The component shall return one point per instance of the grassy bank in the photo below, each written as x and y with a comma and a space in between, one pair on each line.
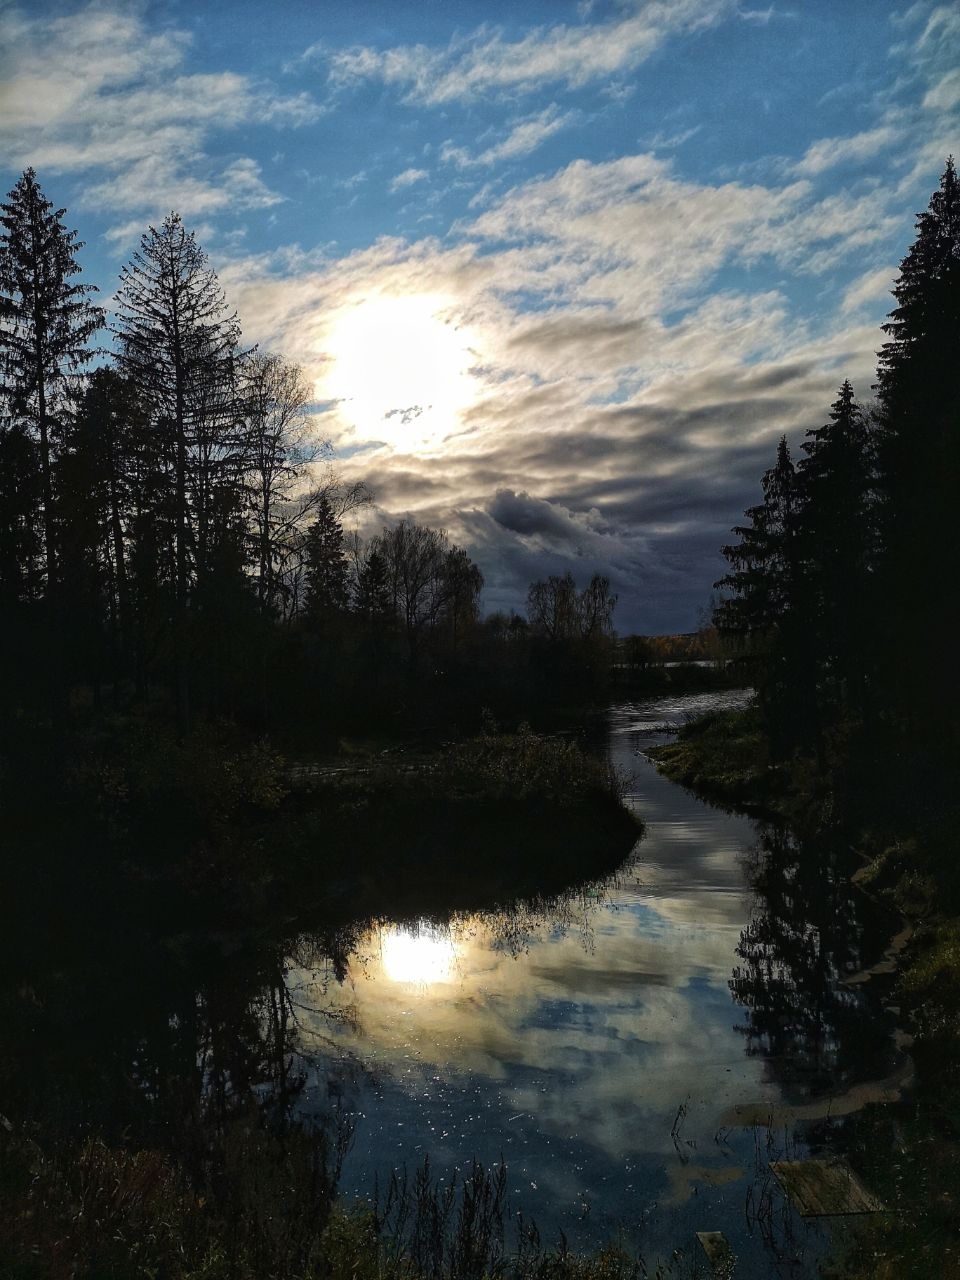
265, 1206
229, 825
723, 756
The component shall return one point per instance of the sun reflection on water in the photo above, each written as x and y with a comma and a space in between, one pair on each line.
423, 955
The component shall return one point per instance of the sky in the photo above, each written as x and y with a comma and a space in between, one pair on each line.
560, 272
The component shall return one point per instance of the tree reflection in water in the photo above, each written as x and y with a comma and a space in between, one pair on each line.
810, 931
143, 1039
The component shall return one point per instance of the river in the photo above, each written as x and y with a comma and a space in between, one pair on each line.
636, 1051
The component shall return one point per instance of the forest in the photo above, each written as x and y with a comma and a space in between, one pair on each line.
840, 606
172, 527
841, 600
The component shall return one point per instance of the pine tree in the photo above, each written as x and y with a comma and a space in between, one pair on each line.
372, 596
918, 601
20, 526
180, 347
763, 564
767, 616
837, 548
46, 323
327, 571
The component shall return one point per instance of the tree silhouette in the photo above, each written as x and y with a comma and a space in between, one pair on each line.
372, 593
767, 617
426, 578
280, 454
918, 605
46, 323
20, 524
180, 346
327, 571
837, 547
553, 607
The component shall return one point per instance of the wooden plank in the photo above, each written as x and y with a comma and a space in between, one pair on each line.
824, 1188
717, 1248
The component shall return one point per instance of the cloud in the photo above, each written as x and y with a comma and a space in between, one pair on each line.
827, 153
869, 288
408, 178
96, 90
524, 137
945, 94
762, 17
623, 407
156, 184
534, 517
486, 62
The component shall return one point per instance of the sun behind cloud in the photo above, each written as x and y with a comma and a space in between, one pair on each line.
399, 369
421, 957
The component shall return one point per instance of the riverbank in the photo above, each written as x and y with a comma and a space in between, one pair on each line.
725, 758
907, 1147
148, 1121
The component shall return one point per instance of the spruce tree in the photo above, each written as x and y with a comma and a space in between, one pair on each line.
918, 600
767, 616
46, 323
763, 566
326, 566
180, 347
21, 573
372, 596
836, 546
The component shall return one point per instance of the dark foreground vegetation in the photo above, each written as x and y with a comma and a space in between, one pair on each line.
841, 608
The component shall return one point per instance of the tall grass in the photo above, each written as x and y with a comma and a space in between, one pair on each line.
264, 1206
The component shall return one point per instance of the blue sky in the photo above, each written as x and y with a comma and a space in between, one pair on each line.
561, 273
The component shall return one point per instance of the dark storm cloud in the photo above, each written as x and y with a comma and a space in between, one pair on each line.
527, 516
645, 493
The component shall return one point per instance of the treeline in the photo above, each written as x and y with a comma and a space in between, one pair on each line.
171, 528
841, 602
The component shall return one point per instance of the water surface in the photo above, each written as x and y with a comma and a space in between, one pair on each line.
605, 1045
619, 1045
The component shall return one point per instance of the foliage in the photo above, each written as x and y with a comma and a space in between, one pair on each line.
326, 565
836, 530
723, 755
46, 323
257, 1205
138, 775
492, 767
919, 472
767, 616
433, 587
522, 765
262, 1205
847, 564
